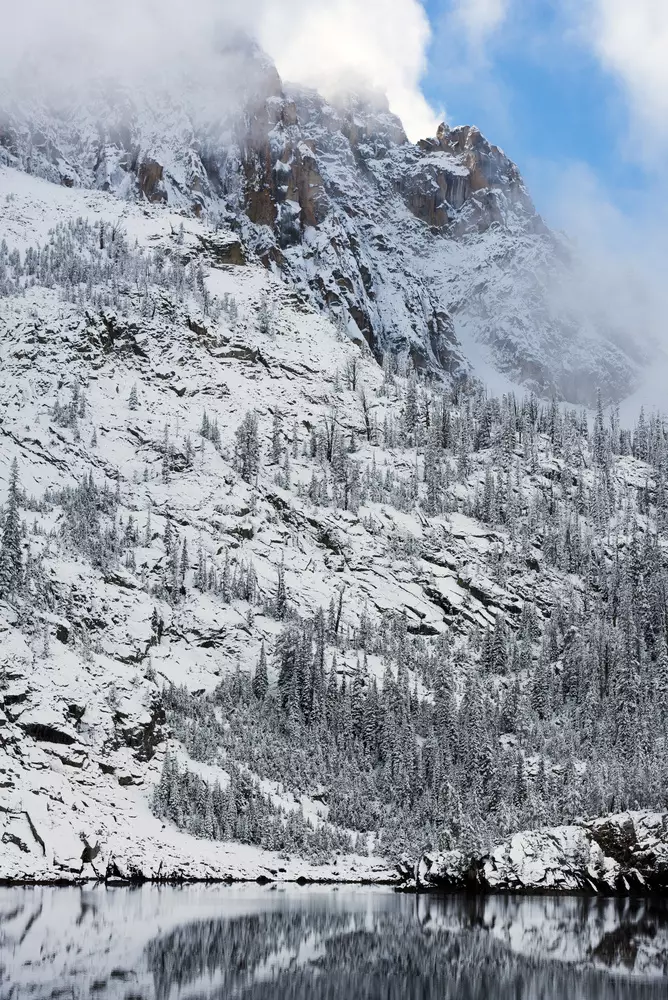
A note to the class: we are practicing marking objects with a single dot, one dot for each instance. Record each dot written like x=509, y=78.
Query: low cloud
x=382, y=41
x=380, y=44
x=617, y=283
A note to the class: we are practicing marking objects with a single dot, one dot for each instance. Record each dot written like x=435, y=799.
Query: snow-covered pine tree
x=11, y=560
x=247, y=452
x=261, y=678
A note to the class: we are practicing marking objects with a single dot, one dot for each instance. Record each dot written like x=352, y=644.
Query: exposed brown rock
x=149, y=179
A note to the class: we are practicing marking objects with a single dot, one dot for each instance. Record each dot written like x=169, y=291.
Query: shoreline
x=260, y=880
x=396, y=885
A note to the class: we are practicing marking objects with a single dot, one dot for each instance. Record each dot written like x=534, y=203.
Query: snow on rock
x=622, y=854
x=66, y=818
x=432, y=249
x=83, y=735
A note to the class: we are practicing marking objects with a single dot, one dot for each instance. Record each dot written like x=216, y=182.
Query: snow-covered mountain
x=434, y=249
x=266, y=578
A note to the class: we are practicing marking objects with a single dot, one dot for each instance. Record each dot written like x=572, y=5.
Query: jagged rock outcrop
x=624, y=854
x=433, y=250
x=460, y=166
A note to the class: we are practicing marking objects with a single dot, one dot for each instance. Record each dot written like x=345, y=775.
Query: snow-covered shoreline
x=625, y=854
x=621, y=855
x=128, y=844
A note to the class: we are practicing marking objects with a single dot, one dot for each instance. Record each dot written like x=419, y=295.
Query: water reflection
x=284, y=942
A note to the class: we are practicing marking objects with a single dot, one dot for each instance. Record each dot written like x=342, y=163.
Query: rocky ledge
x=624, y=854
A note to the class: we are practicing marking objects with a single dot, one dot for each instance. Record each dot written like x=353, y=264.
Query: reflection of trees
x=234, y=950
x=443, y=951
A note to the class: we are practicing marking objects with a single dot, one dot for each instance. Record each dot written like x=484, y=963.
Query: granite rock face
x=624, y=854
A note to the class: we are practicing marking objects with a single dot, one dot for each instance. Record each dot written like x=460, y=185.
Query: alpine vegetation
x=555, y=709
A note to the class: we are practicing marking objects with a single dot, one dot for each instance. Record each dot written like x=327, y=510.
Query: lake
x=290, y=942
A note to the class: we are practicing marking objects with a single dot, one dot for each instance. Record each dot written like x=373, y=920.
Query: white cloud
x=619, y=281
x=323, y=44
x=480, y=18
x=630, y=38
x=383, y=41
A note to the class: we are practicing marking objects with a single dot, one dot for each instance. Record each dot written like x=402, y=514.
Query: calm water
x=296, y=943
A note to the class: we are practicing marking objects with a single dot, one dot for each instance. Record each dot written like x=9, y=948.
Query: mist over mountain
x=433, y=249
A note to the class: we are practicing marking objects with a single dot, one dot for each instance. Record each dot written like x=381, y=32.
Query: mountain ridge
x=433, y=249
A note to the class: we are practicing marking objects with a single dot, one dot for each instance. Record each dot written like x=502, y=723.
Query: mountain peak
x=372, y=228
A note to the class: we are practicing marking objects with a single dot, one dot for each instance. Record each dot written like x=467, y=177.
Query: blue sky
x=542, y=95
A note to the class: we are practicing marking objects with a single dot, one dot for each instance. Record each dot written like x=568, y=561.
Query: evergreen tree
x=11, y=561
x=261, y=679
x=277, y=438
x=167, y=537
x=248, y=448
x=281, y=602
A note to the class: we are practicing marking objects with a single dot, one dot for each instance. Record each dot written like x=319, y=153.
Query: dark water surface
x=313, y=943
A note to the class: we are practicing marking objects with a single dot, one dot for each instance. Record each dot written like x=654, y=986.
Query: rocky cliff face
x=188, y=292
x=432, y=249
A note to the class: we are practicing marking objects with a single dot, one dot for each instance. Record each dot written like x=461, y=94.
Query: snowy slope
x=96, y=738
x=83, y=734
x=71, y=783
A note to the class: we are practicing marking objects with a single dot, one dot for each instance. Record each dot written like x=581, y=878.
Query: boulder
x=624, y=854
x=47, y=725
x=450, y=870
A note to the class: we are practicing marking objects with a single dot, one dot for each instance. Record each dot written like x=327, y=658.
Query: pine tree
x=248, y=448
x=11, y=562
x=287, y=647
x=261, y=679
x=463, y=462
x=641, y=437
x=287, y=470
x=167, y=537
x=599, y=445
x=411, y=411
x=200, y=572
x=155, y=627
x=433, y=478
x=184, y=564
x=484, y=435
x=166, y=456
x=281, y=602
x=225, y=584
x=133, y=401
x=277, y=437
